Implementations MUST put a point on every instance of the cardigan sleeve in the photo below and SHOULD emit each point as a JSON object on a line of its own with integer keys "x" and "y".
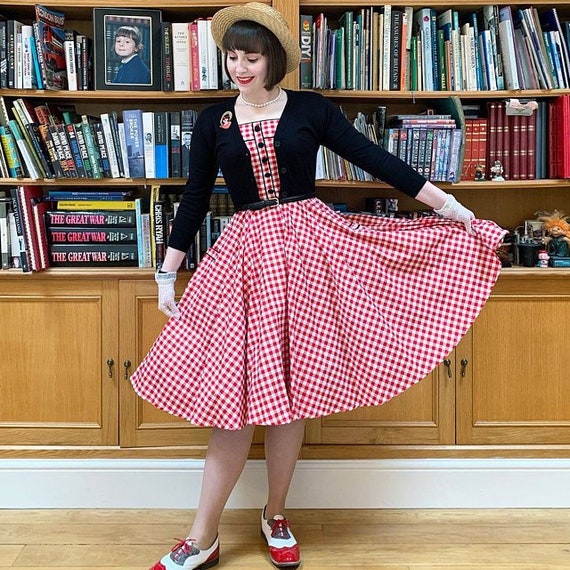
{"x": 195, "y": 199}
{"x": 341, "y": 137}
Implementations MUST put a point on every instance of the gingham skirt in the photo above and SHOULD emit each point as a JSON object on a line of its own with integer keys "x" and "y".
{"x": 300, "y": 312}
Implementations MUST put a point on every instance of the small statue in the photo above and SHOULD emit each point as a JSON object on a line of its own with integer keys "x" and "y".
{"x": 557, "y": 228}
{"x": 479, "y": 173}
{"x": 497, "y": 172}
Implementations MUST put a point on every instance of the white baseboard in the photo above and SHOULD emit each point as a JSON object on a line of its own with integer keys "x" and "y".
{"x": 417, "y": 483}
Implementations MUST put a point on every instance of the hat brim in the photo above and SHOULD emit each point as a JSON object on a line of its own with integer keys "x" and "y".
{"x": 264, "y": 15}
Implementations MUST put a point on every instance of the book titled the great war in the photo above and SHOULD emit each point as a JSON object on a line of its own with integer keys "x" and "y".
{"x": 101, "y": 219}
{"x": 74, "y": 255}
{"x": 90, "y": 235}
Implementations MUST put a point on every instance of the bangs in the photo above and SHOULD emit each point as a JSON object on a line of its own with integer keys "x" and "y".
{"x": 246, "y": 36}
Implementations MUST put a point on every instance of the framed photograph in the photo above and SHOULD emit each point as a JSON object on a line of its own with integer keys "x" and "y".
{"x": 127, "y": 49}
{"x": 534, "y": 229}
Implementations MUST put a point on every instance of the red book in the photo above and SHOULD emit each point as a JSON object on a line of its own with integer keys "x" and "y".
{"x": 515, "y": 138}
{"x": 25, "y": 196}
{"x": 524, "y": 120}
{"x": 194, "y": 57}
{"x": 506, "y": 144}
{"x": 554, "y": 140}
{"x": 38, "y": 212}
{"x": 531, "y": 146}
{"x": 565, "y": 120}
{"x": 492, "y": 134}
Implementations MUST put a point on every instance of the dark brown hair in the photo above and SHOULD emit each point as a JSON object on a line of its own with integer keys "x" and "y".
{"x": 252, "y": 37}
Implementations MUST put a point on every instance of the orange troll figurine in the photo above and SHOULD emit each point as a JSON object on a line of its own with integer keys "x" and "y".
{"x": 556, "y": 225}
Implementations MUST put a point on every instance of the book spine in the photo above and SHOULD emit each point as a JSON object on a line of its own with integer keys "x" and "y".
{"x": 148, "y": 130}
{"x": 161, "y": 135}
{"x": 101, "y": 218}
{"x": 75, "y": 151}
{"x": 3, "y": 55}
{"x": 167, "y": 64}
{"x": 92, "y": 148}
{"x": 96, "y": 205}
{"x": 27, "y": 194}
{"x": 19, "y": 231}
{"x": 38, "y": 212}
{"x": 194, "y": 57}
{"x": 306, "y": 40}
{"x": 91, "y": 235}
{"x": 99, "y": 137}
{"x": 72, "y": 255}
{"x": 70, "y": 167}
{"x": 174, "y": 141}
{"x": 212, "y": 50}
{"x": 181, "y": 56}
{"x": 70, "y": 60}
{"x": 133, "y": 121}
{"x": 4, "y": 231}
{"x": 110, "y": 145}
{"x": 11, "y": 152}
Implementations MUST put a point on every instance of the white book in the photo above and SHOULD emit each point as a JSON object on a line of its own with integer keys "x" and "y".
{"x": 18, "y": 57}
{"x": 111, "y": 151}
{"x": 124, "y": 150}
{"x": 148, "y": 133}
{"x": 487, "y": 51}
{"x": 213, "y": 82}
{"x": 423, "y": 19}
{"x": 70, "y": 61}
{"x": 27, "y": 61}
{"x": 386, "y": 52}
{"x": 181, "y": 56}
{"x": 507, "y": 43}
{"x": 14, "y": 240}
{"x": 203, "y": 53}
{"x": 4, "y": 233}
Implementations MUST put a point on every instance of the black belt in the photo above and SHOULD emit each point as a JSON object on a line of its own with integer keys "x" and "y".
{"x": 274, "y": 202}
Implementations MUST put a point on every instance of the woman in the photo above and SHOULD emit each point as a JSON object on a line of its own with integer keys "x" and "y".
{"x": 297, "y": 311}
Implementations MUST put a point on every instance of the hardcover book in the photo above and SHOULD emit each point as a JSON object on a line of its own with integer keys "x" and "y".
{"x": 72, "y": 255}
{"x": 134, "y": 137}
{"x": 51, "y": 32}
{"x": 91, "y": 235}
{"x": 96, "y": 218}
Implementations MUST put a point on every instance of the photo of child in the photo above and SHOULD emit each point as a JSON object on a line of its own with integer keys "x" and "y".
{"x": 129, "y": 48}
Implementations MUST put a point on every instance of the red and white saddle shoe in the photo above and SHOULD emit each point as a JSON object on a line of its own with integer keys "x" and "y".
{"x": 187, "y": 556}
{"x": 283, "y": 548}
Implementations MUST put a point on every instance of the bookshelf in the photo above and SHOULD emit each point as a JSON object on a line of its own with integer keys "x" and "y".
{"x": 456, "y": 412}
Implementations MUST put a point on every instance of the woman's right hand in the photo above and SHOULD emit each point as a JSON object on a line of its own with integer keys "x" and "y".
{"x": 166, "y": 302}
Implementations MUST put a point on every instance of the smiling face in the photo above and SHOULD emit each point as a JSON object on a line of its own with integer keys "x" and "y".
{"x": 247, "y": 70}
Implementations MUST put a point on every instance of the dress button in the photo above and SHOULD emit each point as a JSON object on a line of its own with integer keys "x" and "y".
{"x": 267, "y": 175}
{"x": 283, "y": 170}
{"x": 283, "y": 194}
{"x": 257, "y": 128}
{"x": 260, "y": 145}
{"x": 264, "y": 160}
{"x": 277, "y": 143}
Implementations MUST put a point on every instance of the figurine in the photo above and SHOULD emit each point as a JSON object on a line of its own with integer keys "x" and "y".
{"x": 557, "y": 228}
{"x": 479, "y": 173}
{"x": 497, "y": 171}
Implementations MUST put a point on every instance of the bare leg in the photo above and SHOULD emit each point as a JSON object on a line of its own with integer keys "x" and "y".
{"x": 282, "y": 444}
{"x": 225, "y": 460}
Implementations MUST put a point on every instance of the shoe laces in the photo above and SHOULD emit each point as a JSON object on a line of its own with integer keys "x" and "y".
{"x": 280, "y": 529}
{"x": 184, "y": 549}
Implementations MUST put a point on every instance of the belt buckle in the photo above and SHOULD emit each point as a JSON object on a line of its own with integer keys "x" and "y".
{"x": 274, "y": 202}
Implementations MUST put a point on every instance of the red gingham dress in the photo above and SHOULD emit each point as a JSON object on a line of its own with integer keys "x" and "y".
{"x": 298, "y": 311}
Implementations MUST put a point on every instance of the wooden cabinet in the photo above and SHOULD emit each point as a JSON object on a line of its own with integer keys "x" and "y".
{"x": 57, "y": 336}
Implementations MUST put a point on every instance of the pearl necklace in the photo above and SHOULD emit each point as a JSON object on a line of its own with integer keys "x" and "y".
{"x": 261, "y": 105}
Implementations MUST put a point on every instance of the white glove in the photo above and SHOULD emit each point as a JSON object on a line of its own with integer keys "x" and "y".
{"x": 166, "y": 302}
{"x": 453, "y": 210}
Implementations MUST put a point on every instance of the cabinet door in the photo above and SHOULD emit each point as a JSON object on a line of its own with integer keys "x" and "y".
{"x": 424, "y": 414}
{"x": 514, "y": 389}
{"x": 56, "y": 339}
{"x": 143, "y": 425}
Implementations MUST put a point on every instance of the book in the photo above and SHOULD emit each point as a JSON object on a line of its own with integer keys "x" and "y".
{"x": 87, "y": 255}
{"x": 181, "y": 56}
{"x": 95, "y": 218}
{"x": 4, "y": 231}
{"x": 99, "y": 137}
{"x": 80, "y": 235}
{"x": 133, "y": 122}
{"x": 111, "y": 149}
{"x": 167, "y": 77}
{"x": 187, "y": 120}
{"x": 52, "y": 38}
{"x": 19, "y": 238}
{"x": 161, "y": 136}
{"x": 26, "y": 196}
{"x": 175, "y": 166}
{"x": 306, "y": 43}
{"x": 148, "y": 143}
{"x": 39, "y": 209}
{"x": 96, "y": 205}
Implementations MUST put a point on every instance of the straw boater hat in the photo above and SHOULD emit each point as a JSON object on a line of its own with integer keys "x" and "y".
{"x": 264, "y": 15}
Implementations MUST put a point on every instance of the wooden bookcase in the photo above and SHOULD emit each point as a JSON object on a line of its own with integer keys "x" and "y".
{"x": 73, "y": 335}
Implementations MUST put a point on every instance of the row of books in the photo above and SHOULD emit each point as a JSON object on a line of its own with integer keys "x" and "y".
{"x": 529, "y": 145}
{"x": 46, "y": 141}
{"x": 77, "y": 228}
{"x": 44, "y": 54}
{"x": 390, "y": 48}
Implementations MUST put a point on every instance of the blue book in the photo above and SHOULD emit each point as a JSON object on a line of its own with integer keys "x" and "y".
{"x": 132, "y": 119}
{"x": 161, "y": 136}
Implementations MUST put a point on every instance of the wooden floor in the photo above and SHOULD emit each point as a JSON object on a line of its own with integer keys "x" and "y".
{"x": 371, "y": 539}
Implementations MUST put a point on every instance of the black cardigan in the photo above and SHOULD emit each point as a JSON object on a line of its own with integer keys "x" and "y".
{"x": 308, "y": 121}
